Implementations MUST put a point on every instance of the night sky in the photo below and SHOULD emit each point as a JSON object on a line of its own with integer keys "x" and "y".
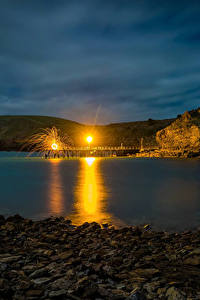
{"x": 100, "y": 60}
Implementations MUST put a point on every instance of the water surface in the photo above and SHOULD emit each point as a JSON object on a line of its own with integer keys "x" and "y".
{"x": 121, "y": 191}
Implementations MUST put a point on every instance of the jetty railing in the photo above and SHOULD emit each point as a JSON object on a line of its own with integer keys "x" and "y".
{"x": 102, "y": 151}
{"x": 102, "y": 148}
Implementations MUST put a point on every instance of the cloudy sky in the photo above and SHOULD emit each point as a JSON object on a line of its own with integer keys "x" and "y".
{"x": 99, "y": 60}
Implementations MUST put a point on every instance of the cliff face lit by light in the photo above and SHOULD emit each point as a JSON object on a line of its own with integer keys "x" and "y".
{"x": 182, "y": 134}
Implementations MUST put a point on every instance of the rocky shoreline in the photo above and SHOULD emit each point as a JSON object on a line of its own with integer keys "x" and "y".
{"x": 53, "y": 259}
{"x": 158, "y": 153}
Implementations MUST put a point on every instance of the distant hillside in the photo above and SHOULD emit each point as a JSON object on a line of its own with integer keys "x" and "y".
{"x": 131, "y": 133}
{"x": 14, "y": 130}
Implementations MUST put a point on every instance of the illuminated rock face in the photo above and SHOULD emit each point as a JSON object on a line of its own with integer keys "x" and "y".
{"x": 182, "y": 134}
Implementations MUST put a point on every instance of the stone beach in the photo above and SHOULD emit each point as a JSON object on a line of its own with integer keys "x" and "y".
{"x": 53, "y": 259}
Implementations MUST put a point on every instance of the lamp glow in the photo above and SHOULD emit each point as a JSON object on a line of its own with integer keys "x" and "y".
{"x": 89, "y": 139}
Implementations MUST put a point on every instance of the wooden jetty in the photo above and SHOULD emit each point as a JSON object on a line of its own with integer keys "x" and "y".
{"x": 99, "y": 151}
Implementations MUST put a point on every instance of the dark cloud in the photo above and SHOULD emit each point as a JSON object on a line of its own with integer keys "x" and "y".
{"x": 126, "y": 60}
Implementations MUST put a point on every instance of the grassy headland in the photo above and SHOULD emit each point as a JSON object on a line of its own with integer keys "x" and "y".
{"x": 179, "y": 137}
{"x": 14, "y": 130}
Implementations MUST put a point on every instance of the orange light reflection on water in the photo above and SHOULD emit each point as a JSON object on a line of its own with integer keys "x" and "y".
{"x": 90, "y": 194}
{"x": 56, "y": 196}
{"x": 90, "y": 188}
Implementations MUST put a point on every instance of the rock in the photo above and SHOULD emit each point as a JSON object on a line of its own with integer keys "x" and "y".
{"x": 39, "y": 273}
{"x": 174, "y": 294}
{"x": 3, "y": 283}
{"x": 9, "y": 226}
{"x": 34, "y": 293}
{"x": 105, "y": 225}
{"x": 93, "y": 226}
{"x": 151, "y": 286}
{"x": 3, "y": 266}
{"x": 15, "y": 219}
{"x": 195, "y": 252}
{"x": 95, "y": 258}
{"x": 40, "y": 281}
{"x": 9, "y": 259}
{"x": 146, "y": 272}
{"x": 194, "y": 260}
{"x": 67, "y": 221}
{"x": 116, "y": 261}
{"x": 103, "y": 291}
{"x": 61, "y": 283}
{"x": 28, "y": 269}
{"x": 65, "y": 255}
{"x": 135, "y": 296}
{"x": 70, "y": 274}
{"x": 161, "y": 292}
{"x": 90, "y": 291}
{"x": 82, "y": 280}
{"x": 57, "y": 294}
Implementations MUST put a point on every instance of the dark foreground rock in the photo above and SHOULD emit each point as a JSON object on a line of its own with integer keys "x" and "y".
{"x": 52, "y": 259}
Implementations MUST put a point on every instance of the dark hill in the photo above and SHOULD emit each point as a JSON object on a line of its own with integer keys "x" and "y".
{"x": 14, "y": 130}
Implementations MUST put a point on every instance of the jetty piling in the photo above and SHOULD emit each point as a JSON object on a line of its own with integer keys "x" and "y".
{"x": 107, "y": 151}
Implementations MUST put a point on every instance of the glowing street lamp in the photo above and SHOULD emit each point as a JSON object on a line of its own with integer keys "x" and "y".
{"x": 89, "y": 139}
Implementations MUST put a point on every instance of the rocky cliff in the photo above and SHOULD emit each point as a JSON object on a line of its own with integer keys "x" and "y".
{"x": 182, "y": 135}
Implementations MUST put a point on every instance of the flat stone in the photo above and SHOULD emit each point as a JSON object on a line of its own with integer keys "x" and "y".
{"x": 57, "y": 294}
{"x": 194, "y": 260}
{"x": 42, "y": 280}
{"x": 2, "y": 283}
{"x": 34, "y": 293}
{"x": 3, "y": 266}
{"x": 146, "y": 272}
{"x": 9, "y": 259}
{"x": 151, "y": 286}
{"x": 61, "y": 283}
{"x": 9, "y": 227}
{"x": 174, "y": 294}
{"x": 65, "y": 255}
{"x": 135, "y": 296}
{"x": 195, "y": 251}
{"x": 39, "y": 273}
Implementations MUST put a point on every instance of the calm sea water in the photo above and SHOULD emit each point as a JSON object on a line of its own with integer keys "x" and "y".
{"x": 165, "y": 193}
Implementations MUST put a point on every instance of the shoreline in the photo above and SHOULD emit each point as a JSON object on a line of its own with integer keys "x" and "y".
{"x": 144, "y": 154}
{"x": 54, "y": 259}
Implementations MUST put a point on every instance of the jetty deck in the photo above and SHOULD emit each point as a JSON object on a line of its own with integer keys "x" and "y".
{"x": 99, "y": 151}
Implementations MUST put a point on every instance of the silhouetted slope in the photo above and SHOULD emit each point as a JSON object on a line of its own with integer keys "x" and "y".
{"x": 14, "y": 130}
{"x": 130, "y": 133}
